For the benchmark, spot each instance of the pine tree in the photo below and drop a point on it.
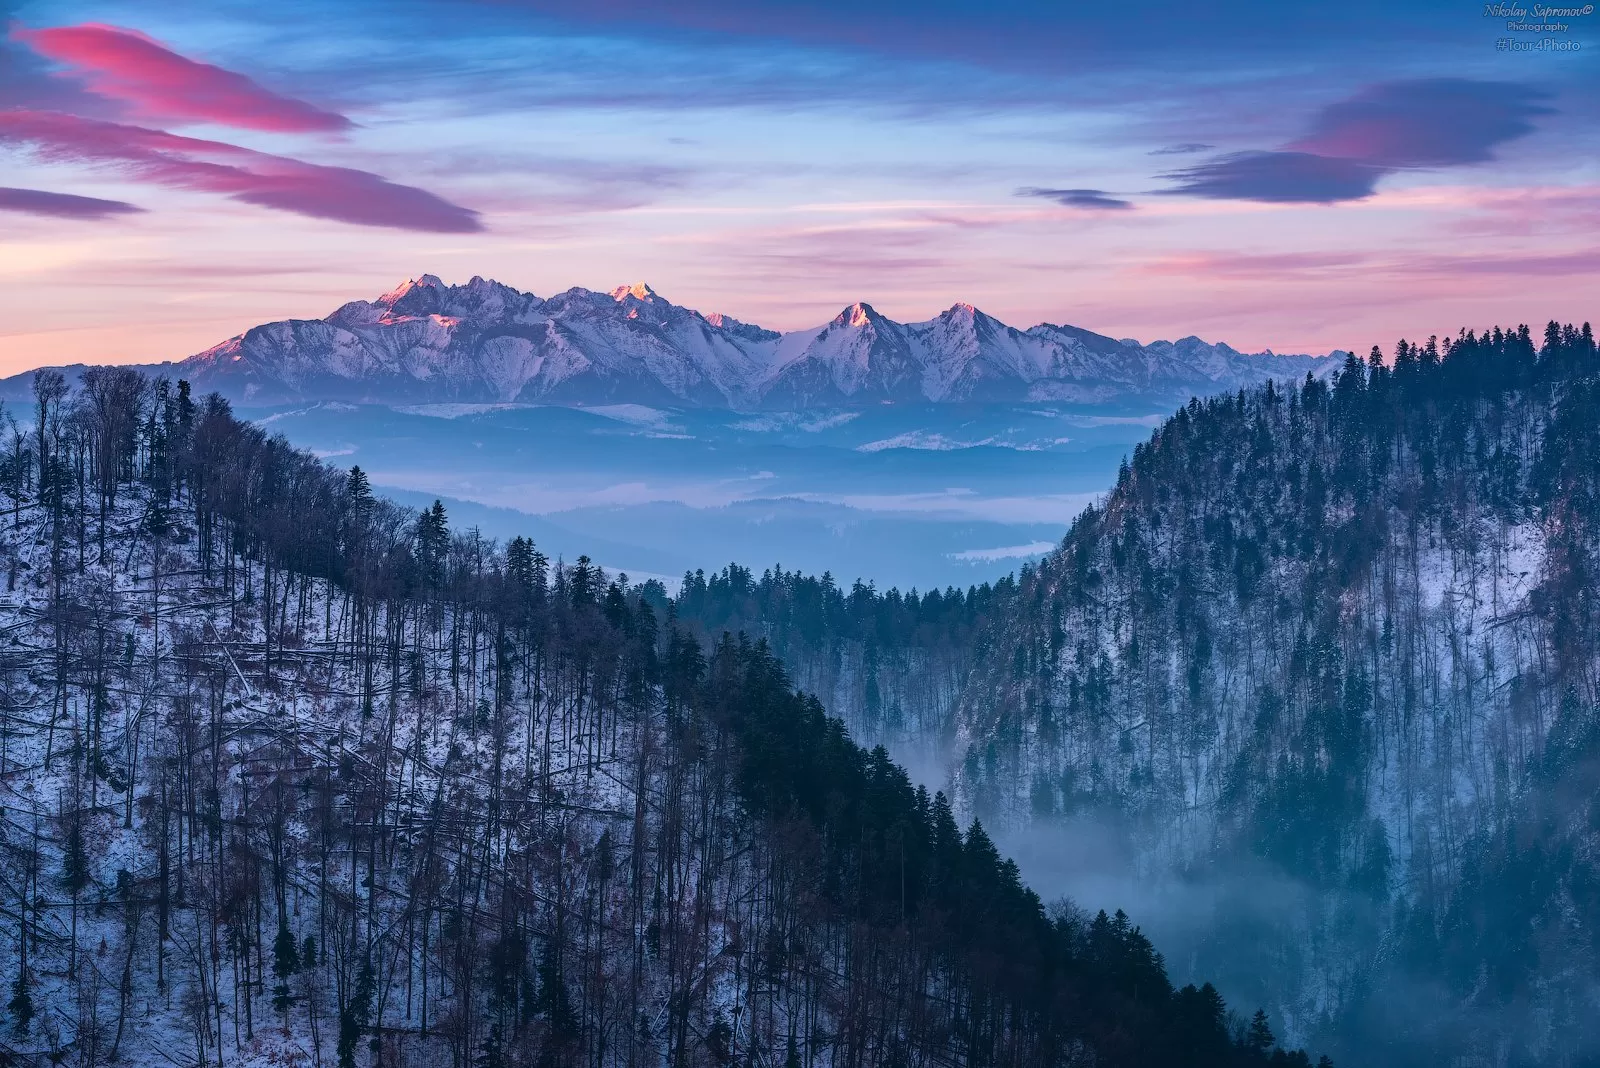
(21, 1004)
(285, 962)
(1258, 1037)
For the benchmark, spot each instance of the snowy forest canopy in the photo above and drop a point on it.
(293, 775)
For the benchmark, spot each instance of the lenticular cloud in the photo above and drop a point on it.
(160, 84)
(338, 193)
(1432, 122)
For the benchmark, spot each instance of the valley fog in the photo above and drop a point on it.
(908, 497)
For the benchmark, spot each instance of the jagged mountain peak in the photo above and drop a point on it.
(399, 292)
(486, 341)
(856, 315)
(966, 316)
(638, 291)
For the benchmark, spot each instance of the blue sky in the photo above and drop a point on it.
(1302, 177)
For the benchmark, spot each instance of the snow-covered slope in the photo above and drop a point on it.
(483, 341)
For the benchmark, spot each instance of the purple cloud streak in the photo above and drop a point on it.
(1088, 199)
(337, 193)
(62, 205)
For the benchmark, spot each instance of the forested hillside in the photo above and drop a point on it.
(891, 664)
(295, 776)
(1338, 644)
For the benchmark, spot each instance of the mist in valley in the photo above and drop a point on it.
(898, 496)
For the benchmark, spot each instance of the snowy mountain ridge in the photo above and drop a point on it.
(487, 342)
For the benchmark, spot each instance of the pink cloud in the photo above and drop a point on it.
(259, 178)
(1248, 267)
(128, 66)
(1295, 267)
(1548, 212)
(62, 205)
(1576, 264)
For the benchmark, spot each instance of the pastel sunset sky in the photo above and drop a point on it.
(1300, 177)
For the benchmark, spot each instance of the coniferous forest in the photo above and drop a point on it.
(294, 776)
(1325, 661)
(1327, 655)
(1134, 477)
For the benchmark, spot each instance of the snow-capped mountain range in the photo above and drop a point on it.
(485, 342)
